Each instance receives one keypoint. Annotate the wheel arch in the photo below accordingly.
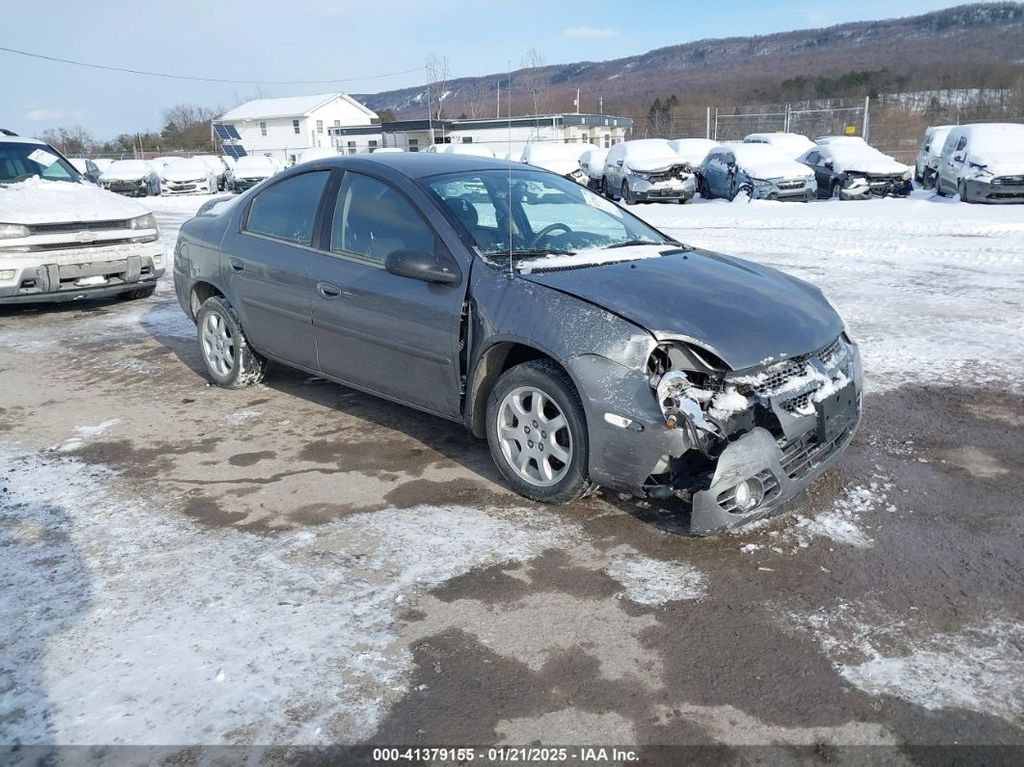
(492, 363)
(201, 290)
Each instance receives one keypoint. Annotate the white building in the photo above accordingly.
(283, 127)
(502, 135)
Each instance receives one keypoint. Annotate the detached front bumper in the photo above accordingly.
(1000, 193)
(76, 273)
(673, 189)
(631, 449)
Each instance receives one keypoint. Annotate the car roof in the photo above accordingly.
(21, 139)
(418, 164)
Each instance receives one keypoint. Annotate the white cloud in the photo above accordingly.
(591, 32)
(43, 113)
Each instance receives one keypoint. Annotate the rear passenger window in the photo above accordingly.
(373, 219)
(287, 210)
(961, 143)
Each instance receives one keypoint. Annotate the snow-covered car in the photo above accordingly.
(103, 163)
(315, 153)
(758, 170)
(792, 145)
(857, 171)
(189, 177)
(592, 163)
(925, 167)
(251, 170)
(983, 163)
(692, 150)
(647, 170)
(135, 178)
(823, 140)
(595, 350)
(563, 159)
(217, 165)
(87, 168)
(387, 149)
(470, 149)
(62, 238)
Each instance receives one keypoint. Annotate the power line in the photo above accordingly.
(29, 54)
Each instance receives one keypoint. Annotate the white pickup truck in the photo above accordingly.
(62, 238)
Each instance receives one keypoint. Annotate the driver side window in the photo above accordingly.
(373, 219)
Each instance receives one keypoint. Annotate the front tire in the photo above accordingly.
(227, 356)
(961, 188)
(537, 433)
(626, 195)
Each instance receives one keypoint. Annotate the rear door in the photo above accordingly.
(393, 335)
(267, 266)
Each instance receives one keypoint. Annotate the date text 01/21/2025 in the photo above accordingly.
(501, 754)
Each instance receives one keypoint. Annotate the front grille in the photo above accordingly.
(1008, 180)
(805, 452)
(79, 226)
(783, 379)
(790, 185)
(73, 245)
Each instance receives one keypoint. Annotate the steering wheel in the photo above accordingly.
(548, 230)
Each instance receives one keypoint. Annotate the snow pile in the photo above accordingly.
(653, 582)
(213, 632)
(979, 668)
(35, 201)
(842, 522)
(83, 433)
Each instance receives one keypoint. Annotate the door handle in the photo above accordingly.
(236, 265)
(327, 290)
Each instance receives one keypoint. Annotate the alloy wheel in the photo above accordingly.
(218, 344)
(534, 436)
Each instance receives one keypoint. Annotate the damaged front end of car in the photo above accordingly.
(863, 186)
(676, 182)
(749, 442)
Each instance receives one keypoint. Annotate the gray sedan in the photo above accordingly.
(587, 347)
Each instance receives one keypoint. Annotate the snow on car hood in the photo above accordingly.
(653, 164)
(741, 311)
(777, 169)
(871, 163)
(35, 201)
(1001, 164)
(188, 173)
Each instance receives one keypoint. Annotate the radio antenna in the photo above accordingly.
(508, 102)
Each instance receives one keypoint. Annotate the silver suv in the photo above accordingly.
(62, 238)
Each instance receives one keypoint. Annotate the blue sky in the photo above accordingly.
(325, 39)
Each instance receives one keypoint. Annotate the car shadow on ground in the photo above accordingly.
(448, 439)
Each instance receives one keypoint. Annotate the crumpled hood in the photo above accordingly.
(652, 165)
(773, 170)
(874, 166)
(124, 175)
(743, 312)
(35, 201)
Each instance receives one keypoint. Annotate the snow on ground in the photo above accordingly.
(122, 624)
(654, 582)
(930, 287)
(979, 668)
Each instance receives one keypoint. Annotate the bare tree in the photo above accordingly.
(439, 69)
(75, 140)
(533, 80)
(187, 126)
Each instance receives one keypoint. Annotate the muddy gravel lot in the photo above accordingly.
(302, 563)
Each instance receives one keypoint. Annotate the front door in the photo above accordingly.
(393, 335)
(267, 268)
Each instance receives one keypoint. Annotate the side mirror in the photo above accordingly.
(419, 266)
(619, 163)
(829, 164)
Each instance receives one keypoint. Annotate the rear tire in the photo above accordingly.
(227, 356)
(961, 188)
(526, 399)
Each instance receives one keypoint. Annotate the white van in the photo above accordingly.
(983, 163)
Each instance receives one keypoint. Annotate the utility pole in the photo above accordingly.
(600, 102)
(707, 125)
(867, 123)
(498, 112)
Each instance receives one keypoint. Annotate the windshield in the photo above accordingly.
(545, 214)
(20, 160)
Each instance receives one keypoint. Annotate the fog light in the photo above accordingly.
(6, 275)
(749, 494)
